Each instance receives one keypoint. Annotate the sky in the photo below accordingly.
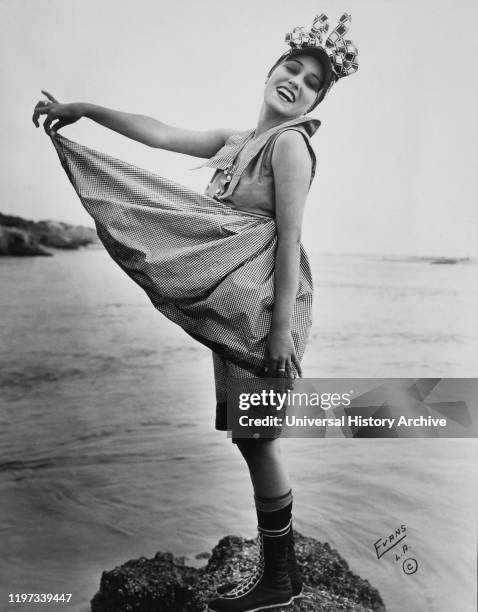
(398, 145)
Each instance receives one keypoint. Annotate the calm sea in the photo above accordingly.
(107, 441)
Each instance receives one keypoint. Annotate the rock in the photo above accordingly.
(166, 584)
(203, 555)
(16, 241)
(63, 236)
(55, 234)
(449, 260)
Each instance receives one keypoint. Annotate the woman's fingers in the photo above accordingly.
(289, 385)
(270, 367)
(39, 109)
(48, 121)
(281, 366)
(295, 361)
(281, 369)
(57, 126)
(274, 368)
(43, 107)
(277, 372)
(49, 96)
(288, 369)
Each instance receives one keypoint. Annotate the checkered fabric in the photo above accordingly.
(206, 266)
(226, 374)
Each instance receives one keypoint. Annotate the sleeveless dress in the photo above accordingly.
(205, 261)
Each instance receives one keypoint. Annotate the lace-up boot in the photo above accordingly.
(292, 568)
(269, 585)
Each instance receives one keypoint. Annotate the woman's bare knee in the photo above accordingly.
(258, 449)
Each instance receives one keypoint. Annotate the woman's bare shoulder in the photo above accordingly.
(291, 152)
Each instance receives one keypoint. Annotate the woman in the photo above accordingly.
(249, 299)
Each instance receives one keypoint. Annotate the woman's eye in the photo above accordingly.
(313, 84)
(291, 68)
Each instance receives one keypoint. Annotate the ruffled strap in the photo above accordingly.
(225, 157)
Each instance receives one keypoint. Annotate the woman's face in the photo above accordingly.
(293, 86)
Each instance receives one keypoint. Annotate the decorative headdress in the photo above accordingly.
(339, 56)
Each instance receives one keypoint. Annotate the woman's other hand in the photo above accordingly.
(280, 356)
(63, 114)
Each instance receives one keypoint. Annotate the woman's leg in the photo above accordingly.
(266, 467)
(276, 579)
(272, 495)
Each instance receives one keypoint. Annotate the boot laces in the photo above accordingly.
(250, 581)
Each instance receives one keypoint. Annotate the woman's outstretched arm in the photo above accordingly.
(141, 128)
(292, 168)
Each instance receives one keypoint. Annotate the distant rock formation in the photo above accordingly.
(426, 259)
(16, 241)
(449, 260)
(166, 583)
(20, 236)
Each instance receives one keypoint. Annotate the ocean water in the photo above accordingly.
(107, 441)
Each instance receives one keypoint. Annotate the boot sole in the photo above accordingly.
(276, 605)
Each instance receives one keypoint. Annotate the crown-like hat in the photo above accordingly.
(342, 53)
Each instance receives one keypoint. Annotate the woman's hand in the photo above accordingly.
(63, 114)
(280, 355)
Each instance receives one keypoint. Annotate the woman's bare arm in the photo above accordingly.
(155, 133)
(292, 166)
(144, 129)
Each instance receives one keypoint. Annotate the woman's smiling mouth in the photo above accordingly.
(285, 94)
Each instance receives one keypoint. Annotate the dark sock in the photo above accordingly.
(274, 512)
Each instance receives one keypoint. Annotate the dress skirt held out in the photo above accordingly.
(204, 263)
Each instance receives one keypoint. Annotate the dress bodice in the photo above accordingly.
(244, 177)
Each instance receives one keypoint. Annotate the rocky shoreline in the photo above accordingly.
(21, 237)
(167, 584)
